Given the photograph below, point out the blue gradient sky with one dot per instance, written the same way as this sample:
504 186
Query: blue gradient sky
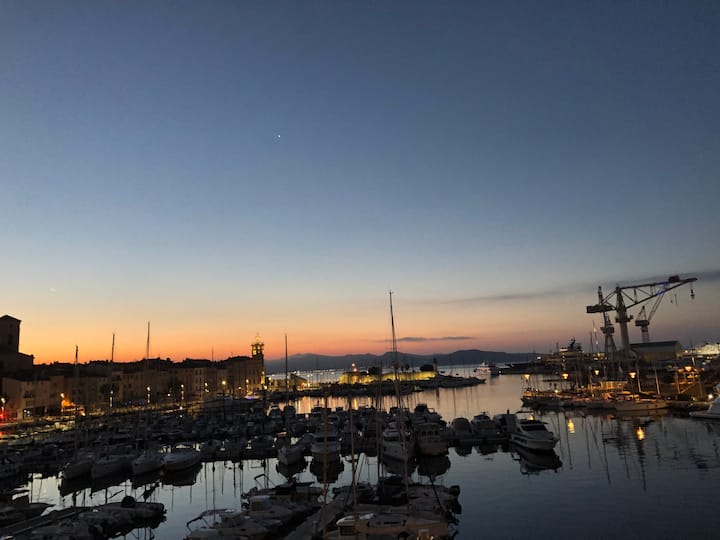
230 168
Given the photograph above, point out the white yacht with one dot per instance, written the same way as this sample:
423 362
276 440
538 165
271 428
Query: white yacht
527 432
326 445
397 445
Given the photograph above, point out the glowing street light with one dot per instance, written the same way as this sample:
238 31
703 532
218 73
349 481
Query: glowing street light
148 395
62 403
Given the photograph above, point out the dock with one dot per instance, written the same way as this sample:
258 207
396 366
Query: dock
312 527
29 525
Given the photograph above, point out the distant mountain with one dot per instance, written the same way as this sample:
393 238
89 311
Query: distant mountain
309 361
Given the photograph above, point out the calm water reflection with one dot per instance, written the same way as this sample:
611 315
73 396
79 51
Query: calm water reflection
636 477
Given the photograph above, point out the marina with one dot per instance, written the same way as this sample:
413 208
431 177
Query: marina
599 463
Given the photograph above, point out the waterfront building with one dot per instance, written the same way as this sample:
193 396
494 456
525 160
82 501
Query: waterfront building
11 359
276 382
657 351
371 376
246 375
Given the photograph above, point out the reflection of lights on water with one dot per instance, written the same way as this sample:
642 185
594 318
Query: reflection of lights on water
640 432
570 426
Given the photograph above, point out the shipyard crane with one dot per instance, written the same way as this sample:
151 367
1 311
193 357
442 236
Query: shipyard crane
629 296
643 319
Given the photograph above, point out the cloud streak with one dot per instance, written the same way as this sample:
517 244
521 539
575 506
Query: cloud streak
706 276
423 339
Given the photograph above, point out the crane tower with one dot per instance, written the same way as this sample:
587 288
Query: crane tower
629 296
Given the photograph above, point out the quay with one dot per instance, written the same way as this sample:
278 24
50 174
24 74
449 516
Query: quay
313 527
17 530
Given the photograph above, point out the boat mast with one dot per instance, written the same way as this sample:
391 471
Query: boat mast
287 382
76 385
400 420
112 360
147 365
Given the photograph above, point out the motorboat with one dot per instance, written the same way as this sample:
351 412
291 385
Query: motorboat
527 432
326 445
182 456
429 439
485 429
396 444
462 431
394 525
290 454
713 412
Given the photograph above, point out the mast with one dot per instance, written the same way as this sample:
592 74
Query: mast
147 364
112 360
287 382
401 414
76 390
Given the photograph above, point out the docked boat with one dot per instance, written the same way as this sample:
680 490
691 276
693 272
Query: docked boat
394 525
291 454
79 466
182 456
326 445
713 412
462 432
638 404
148 461
527 432
485 429
429 439
115 463
397 445
225 523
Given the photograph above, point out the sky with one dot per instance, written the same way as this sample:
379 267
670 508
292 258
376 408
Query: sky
233 169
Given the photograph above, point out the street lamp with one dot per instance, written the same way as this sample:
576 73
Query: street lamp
224 384
182 395
633 374
2 400
148 395
62 401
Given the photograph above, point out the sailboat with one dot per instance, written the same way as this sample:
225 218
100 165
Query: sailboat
397 522
80 465
151 458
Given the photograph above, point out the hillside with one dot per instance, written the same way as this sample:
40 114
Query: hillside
309 361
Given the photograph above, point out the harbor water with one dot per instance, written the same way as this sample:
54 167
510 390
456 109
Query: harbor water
610 476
